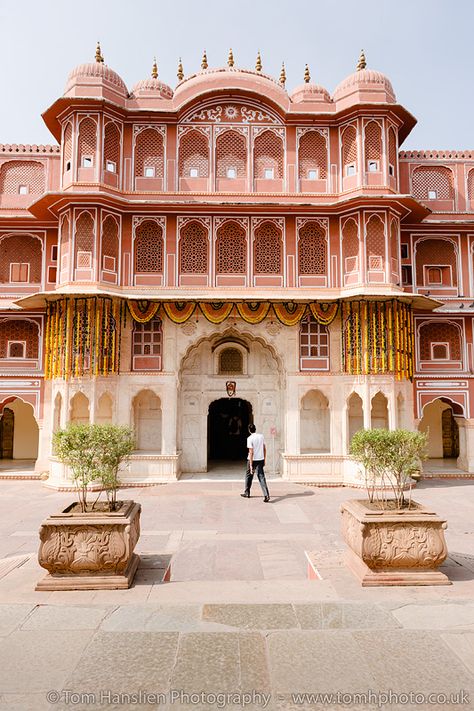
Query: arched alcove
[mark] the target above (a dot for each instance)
(443, 432)
(79, 412)
(355, 415)
(104, 410)
(147, 421)
(314, 423)
(379, 412)
(19, 432)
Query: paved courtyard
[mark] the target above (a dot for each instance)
(239, 624)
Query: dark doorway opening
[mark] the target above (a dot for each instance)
(450, 432)
(7, 425)
(227, 429)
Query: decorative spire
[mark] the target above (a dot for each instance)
(282, 74)
(98, 54)
(361, 64)
(180, 74)
(154, 70)
(230, 58)
(204, 63)
(307, 75)
(258, 63)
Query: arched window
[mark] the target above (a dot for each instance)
(87, 143)
(231, 155)
(379, 412)
(349, 151)
(21, 259)
(149, 154)
(268, 258)
(22, 177)
(375, 244)
(312, 250)
(394, 246)
(84, 242)
(470, 185)
(112, 148)
(439, 253)
(67, 148)
(350, 248)
(147, 345)
(231, 362)
(268, 156)
(19, 338)
(440, 341)
(148, 248)
(312, 157)
(193, 249)
(314, 345)
(433, 183)
(373, 147)
(231, 249)
(194, 155)
(392, 153)
(110, 245)
(64, 248)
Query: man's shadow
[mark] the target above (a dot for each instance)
(273, 499)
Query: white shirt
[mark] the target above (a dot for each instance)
(256, 442)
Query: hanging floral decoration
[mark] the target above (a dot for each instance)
(377, 338)
(82, 336)
(179, 311)
(253, 311)
(324, 313)
(289, 313)
(216, 312)
(143, 311)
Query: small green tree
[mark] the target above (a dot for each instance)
(76, 447)
(113, 444)
(94, 453)
(389, 458)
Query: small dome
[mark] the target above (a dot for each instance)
(368, 81)
(146, 87)
(310, 92)
(95, 72)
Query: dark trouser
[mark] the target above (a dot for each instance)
(258, 465)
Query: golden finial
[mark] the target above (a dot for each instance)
(98, 54)
(307, 75)
(258, 63)
(154, 70)
(180, 74)
(361, 64)
(204, 63)
(282, 74)
(230, 58)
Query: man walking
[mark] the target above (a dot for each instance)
(256, 461)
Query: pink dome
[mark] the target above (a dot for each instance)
(149, 86)
(95, 72)
(365, 81)
(310, 92)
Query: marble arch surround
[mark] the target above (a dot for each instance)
(199, 385)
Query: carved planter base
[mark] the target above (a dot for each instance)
(90, 551)
(394, 547)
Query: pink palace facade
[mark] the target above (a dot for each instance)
(175, 246)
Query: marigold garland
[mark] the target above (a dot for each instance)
(216, 312)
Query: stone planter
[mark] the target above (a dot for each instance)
(394, 547)
(90, 551)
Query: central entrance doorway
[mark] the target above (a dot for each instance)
(228, 423)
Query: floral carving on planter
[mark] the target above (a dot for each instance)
(90, 550)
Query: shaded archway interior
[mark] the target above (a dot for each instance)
(227, 429)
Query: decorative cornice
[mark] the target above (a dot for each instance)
(28, 148)
(468, 155)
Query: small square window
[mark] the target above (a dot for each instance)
(68, 166)
(404, 250)
(110, 166)
(373, 166)
(231, 173)
(391, 170)
(439, 351)
(312, 174)
(193, 173)
(54, 253)
(149, 171)
(87, 162)
(350, 169)
(269, 173)
(23, 189)
(432, 195)
(16, 349)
